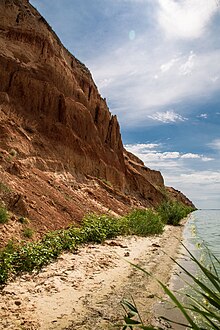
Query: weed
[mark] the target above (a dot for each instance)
(23, 220)
(94, 228)
(28, 232)
(108, 183)
(6, 261)
(4, 216)
(171, 212)
(144, 223)
(13, 152)
(4, 187)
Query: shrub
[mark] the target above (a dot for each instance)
(28, 232)
(97, 228)
(144, 223)
(4, 216)
(23, 220)
(171, 212)
(6, 261)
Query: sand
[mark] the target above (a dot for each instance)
(83, 290)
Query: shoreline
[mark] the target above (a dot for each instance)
(83, 290)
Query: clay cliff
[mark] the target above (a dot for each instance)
(61, 153)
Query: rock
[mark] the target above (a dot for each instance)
(68, 144)
(17, 302)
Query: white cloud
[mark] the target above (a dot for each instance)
(214, 79)
(148, 89)
(150, 152)
(184, 171)
(187, 67)
(167, 66)
(185, 19)
(190, 155)
(202, 177)
(202, 187)
(215, 144)
(167, 117)
(203, 115)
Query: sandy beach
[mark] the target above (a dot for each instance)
(83, 290)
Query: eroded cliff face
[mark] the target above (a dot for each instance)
(61, 149)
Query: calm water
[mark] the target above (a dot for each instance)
(207, 228)
(202, 226)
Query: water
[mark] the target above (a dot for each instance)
(207, 228)
(203, 227)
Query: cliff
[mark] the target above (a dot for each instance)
(61, 153)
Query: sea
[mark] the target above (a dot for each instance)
(206, 227)
(201, 234)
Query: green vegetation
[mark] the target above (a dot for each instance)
(4, 216)
(13, 153)
(95, 228)
(4, 188)
(23, 220)
(28, 232)
(172, 212)
(143, 223)
(202, 307)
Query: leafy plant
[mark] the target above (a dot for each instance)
(97, 228)
(132, 317)
(94, 228)
(6, 261)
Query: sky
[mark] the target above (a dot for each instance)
(157, 63)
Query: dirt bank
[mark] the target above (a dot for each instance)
(83, 290)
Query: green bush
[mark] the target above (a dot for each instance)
(97, 228)
(28, 232)
(94, 228)
(4, 216)
(7, 256)
(171, 212)
(144, 223)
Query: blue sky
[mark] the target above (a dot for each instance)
(157, 62)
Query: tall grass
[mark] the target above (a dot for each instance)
(202, 307)
(143, 223)
(4, 216)
(172, 212)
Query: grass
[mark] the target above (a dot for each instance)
(4, 187)
(172, 212)
(143, 223)
(202, 307)
(4, 216)
(23, 220)
(28, 232)
(95, 228)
